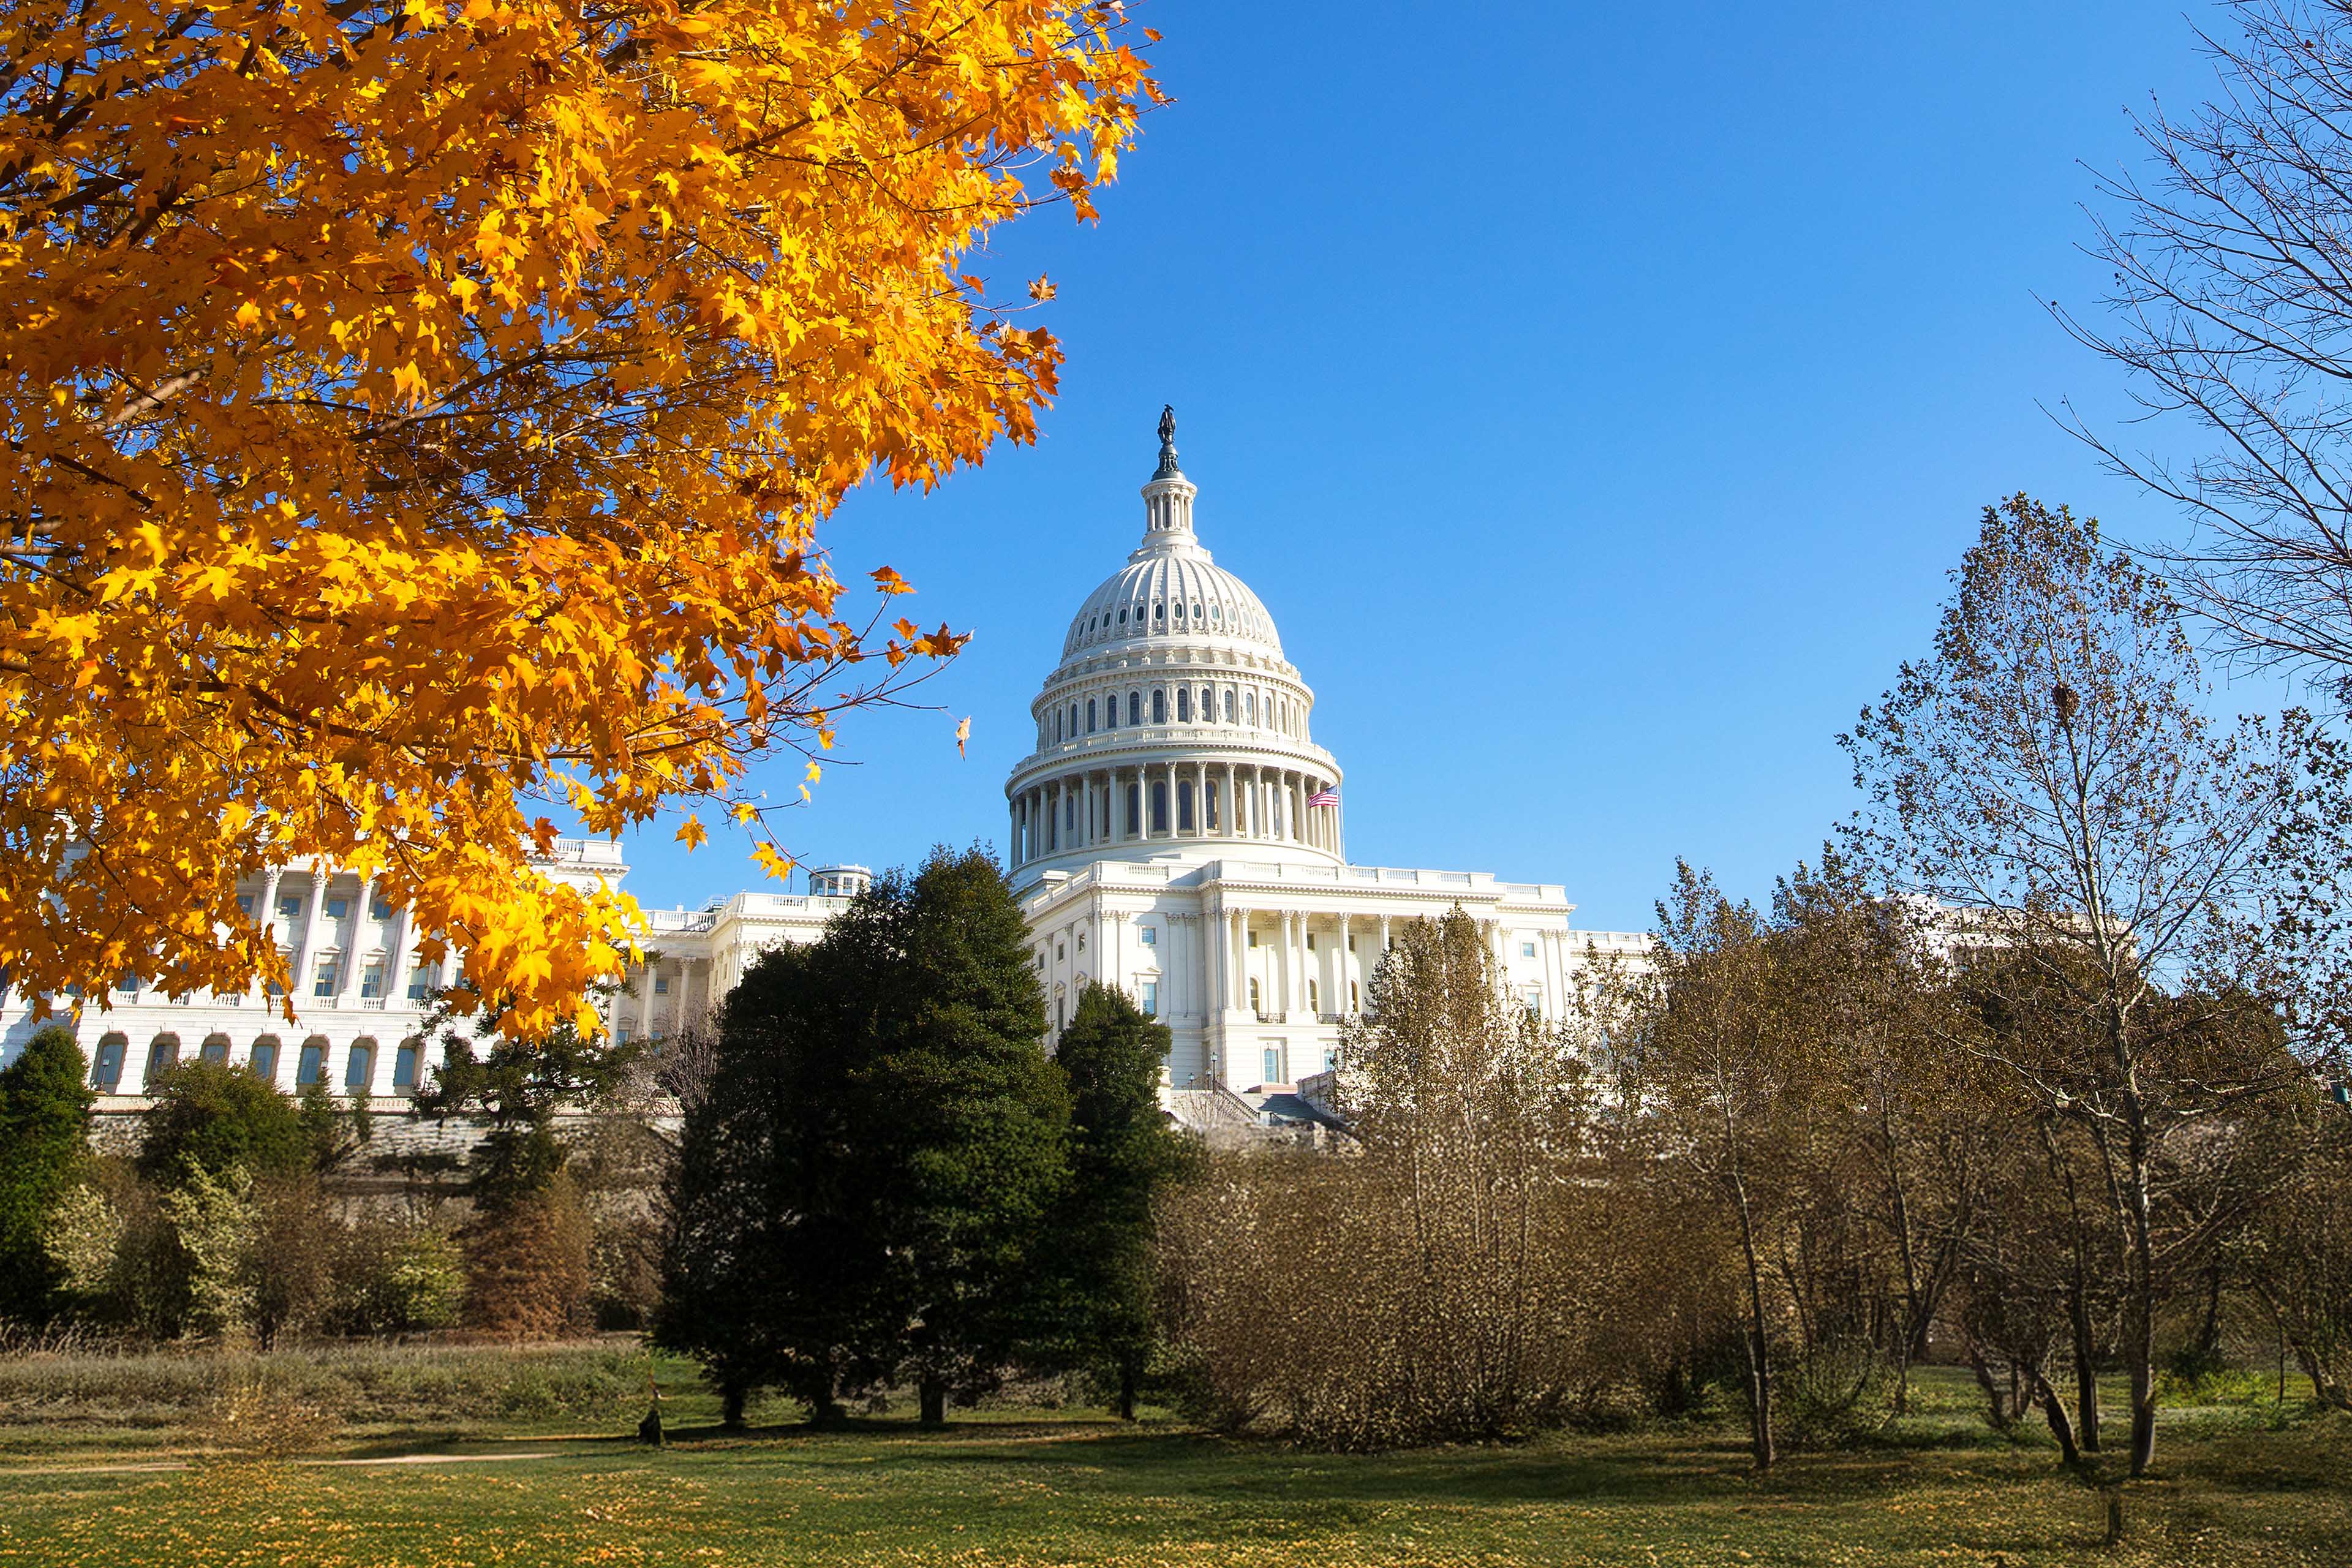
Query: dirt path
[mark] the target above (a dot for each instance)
(157, 1467)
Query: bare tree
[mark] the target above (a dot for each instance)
(2051, 775)
(2231, 309)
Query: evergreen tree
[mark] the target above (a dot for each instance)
(979, 1122)
(859, 1196)
(773, 1259)
(45, 1102)
(1123, 1152)
(214, 1119)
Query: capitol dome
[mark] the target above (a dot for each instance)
(1174, 724)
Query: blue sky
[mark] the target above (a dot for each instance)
(1596, 396)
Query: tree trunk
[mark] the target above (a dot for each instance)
(2139, 1351)
(2053, 1408)
(1759, 1359)
(1995, 1397)
(934, 1393)
(733, 1395)
(1127, 1380)
(2086, 1371)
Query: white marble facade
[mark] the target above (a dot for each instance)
(1176, 831)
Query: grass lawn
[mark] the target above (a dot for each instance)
(1006, 1487)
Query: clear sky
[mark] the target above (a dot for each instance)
(1597, 396)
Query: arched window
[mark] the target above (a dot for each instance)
(1159, 610)
(359, 1071)
(1110, 712)
(1122, 614)
(1314, 997)
(1229, 704)
(404, 1067)
(1183, 705)
(1208, 704)
(1160, 705)
(264, 1060)
(214, 1050)
(1090, 715)
(106, 1067)
(1057, 724)
(1252, 705)
(1256, 1006)
(1074, 721)
(1159, 806)
(1135, 707)
(162, 1055)
(311, 1067)
(1134, 809)
(1184, 807)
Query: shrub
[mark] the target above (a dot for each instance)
(44, 1144)
(528, 1267)
(214, 1118)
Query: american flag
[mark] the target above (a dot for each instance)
(1323, 797)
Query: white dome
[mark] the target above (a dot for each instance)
(1170, 591)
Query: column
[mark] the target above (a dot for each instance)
(1012, 831)
(1339, 1003)
(262, 918)
(1291, 1000)
(299, 991)
(1236, 959)
(404, 953)
(1087, 809)
(343, 982)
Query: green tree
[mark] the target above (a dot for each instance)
(45, 1101)
(860, 1195)
(214, 1119)
(979, 1138)
(1123, 1153)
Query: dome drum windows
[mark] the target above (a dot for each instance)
(1183, 705)
(1135, 708)
(1160, 705)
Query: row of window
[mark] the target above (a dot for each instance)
(326, 979)
(309, 1066)
(1147, 616)
(1240, 705)
(337, 906)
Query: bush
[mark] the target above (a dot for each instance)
(214, 1118)
(1835, 1396)
(528, 1265)
(44, 1144)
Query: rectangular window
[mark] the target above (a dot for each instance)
(1150, 998)
(245, 905)
(372, 981)
(1149, 936)
(337, 908)
(1526, 950)
(1531, 998)
(379, 908)
(127, 986)
(1253, 938)
(289, 908)
(1274, 1064)
(1310, 941)
(1351, 945)
(421, 982)
(311, 1067)
(1330, 1059)
(323, 985)
(661, 985)
(621, 1035)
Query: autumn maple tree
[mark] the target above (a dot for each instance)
(421, 412)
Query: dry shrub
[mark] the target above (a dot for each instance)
(1457, 1275)
(528, 1269)
(265, 1418)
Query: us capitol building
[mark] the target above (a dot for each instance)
(1177, 832)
